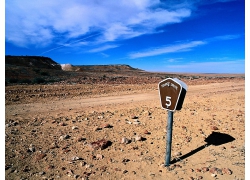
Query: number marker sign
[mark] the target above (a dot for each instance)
(172, 93)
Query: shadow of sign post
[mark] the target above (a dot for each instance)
(216, 139)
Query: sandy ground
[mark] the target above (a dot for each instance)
(123, 135)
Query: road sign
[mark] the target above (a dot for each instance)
(172, 93)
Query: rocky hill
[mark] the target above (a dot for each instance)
(32, 61)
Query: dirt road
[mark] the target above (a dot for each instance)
(78, 103)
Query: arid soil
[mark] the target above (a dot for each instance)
(118, 131)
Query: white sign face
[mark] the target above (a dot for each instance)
(170, 91)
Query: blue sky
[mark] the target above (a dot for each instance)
(194, 36)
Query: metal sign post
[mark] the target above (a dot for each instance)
(169, 138)
(172, 93)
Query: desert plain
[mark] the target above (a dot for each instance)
(118, 131)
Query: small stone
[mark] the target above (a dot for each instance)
(41, 173)
(99, 156)
(138, 138)
(82, 164)
(134, 117)
(100, 117)
(177, 153)
(75, 158)
(62, 124)
(136, 122)
(213, 175)
(200, 177)
(96, 128)
(227, 171)
(100, 144)
(40, 156)
(125, 171)
(70, 173)
(106, 125)
(214, 128)
(32, 148)
(74, 127)
(205, 169)
(63, 137)
(124, 140)
(213, 170)
(198, 170)
(146, 132)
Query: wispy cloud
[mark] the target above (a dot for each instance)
(224, 37)
(187, 46)
(167, 49)
(42, 23)
(103, 48)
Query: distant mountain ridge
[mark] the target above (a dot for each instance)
(48, 63)
(39, 69)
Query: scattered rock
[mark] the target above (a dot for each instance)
(106, 125)
(96, 128)
(99, 156)
(214, 128)
(31, 148)
(205, 169)
(75, 158)
(100, 144)
(227, 171)
(125, 140)
(63, 137)
(134, 117)
(137, 138)
(177, 153)
(40, 156)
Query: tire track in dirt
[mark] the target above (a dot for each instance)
(69, 104)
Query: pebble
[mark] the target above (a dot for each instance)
(213, 175)
(75, 158)
(99, 156)
(100, 144)
(227, 171)
(40, 156)
(74, 127)
(177, 153)
(205, 169)
(137, 138)
(96, 128)
(32, 148)
(125, 140)
(63, 137)
(106, 125)
(134, 117)
(214, 128)
(136, 121)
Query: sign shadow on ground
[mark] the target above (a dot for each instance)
(216, 139)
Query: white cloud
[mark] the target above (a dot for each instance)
(154, 51)
(103, 48)
(43, 22)
(167, 49)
